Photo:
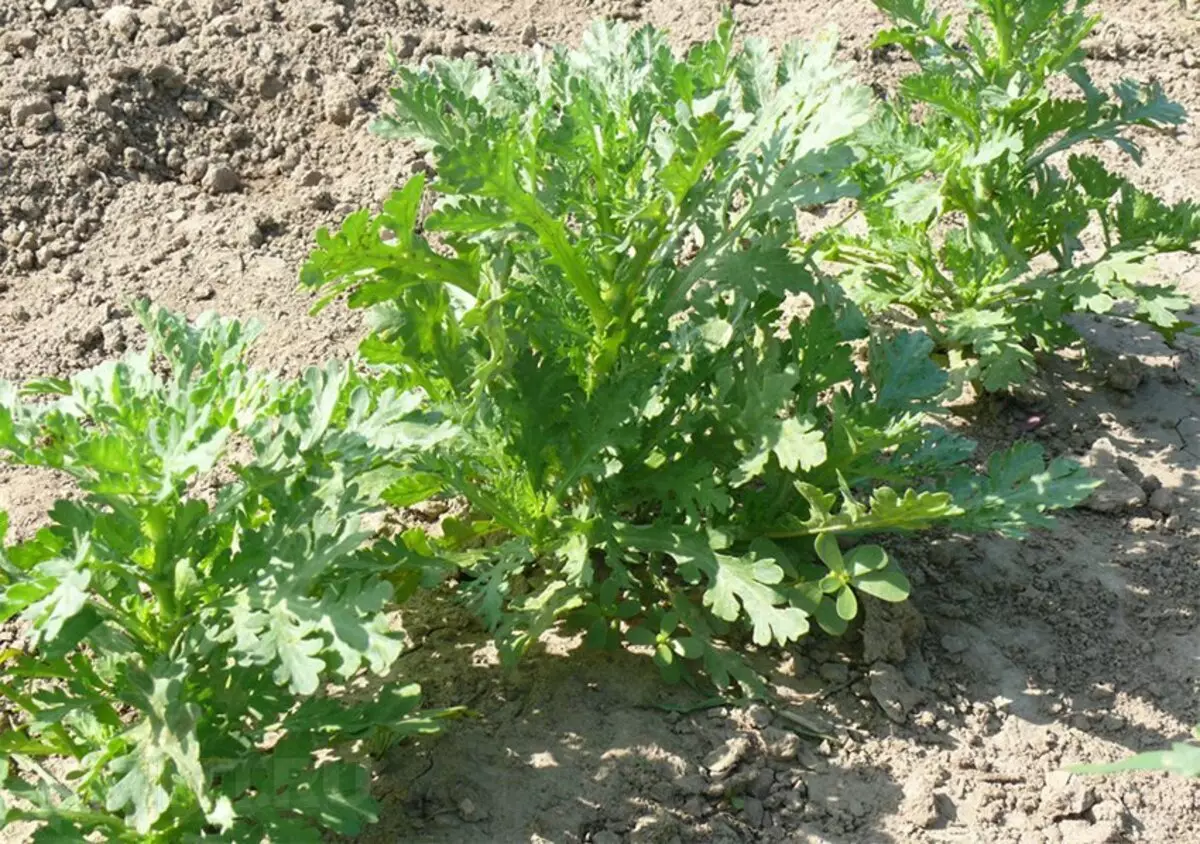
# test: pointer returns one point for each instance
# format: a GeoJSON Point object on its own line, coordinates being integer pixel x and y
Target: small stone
{"type": "Point", "coordinates": [954, 644]}
{"type": "Point", "coordinates": [658, 828]}
{"type": "Point", "coordinates": [166, 76]}
{"type": "Point", "coordinates": [62, 77]}
{"type": "Point", "coordinates": [781, 745]}
{"type": "Point", "coordinates": [530, 36]}
{"type": "Point", "coordinates": [1116, 491]}
{"type": "Point", "coordinates": [328, 16]}
{"type": "Point", "coordinates": [920, 802]}
{"type": "Point", "coordinates": [431, 45]}
{"type": "Point", "coordinates": [468, 811]}
{"type": "Point", "coordinates": [726, 757]}
{"type": "Point", "coordinates": [21, 314]}
{"type": "Point", "coordinates": [253, 233]}
{"type": "Point", "coordinates": [632, 11]}
{"type": "Point", "coordinates": [752, 808]}
{"type": "Point", "coordinates": [892, 692]}
{"type": "Point", "coordinates": [100, 100]}
{"type": "Point", "coordinates": [1066, 794]}
{"type": "Point", "coordinates": [1162, 500]}
{"type": "Point", "coordinates": [122, 20]}
{"type": "Point", "coordinates": [408, 45]}
{"type": "Point", "coordinates": [115, 339]}
{"type": "Point", "coordinates": [1113, 723]}
{"type": "Point", "coordinates": [1124, 374]}
{"type": "Point", "coordinates": [916, 670]}
{"type": "Point", "coordinates": [203, 292]}
{"type": "Point", "coordinates": [91, 340]}
{"type": "Point", "coordinates": [323, 201]}
{"type": "Point", "coordinates": [122, 72]}
{"type": "Point", "coordinates": [154, 17]}
{"type": "Point", "coordinates": [340, 100]}
{"type": "Point", "coordinates": [134, 159]}
{"type": "Point", "coordinates": [194, 107]}
{"type": "Point", "coordinates": [759, 715]}
{"type": "Point", "coordinates": [28, 108]}
{"type": "Point", "coordinates": [194, 170]}
{"type": "Point", "coordinates": [1110, 810]}
{"type": "Point", "coordinates": [311, 178]}
{"type": "Point", "coordinates": [40, 123]}
{"type": "Point", "coordinates": [763, 782]}
{"type": "Point", "coordinates": [890, 631]}
{"type": "Point", "coordinates": [220, 178]}
{"type": "Point", "coordinates": [20, 39]}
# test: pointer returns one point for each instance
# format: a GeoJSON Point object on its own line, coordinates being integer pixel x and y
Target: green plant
{"type": "Point", "coordinates": [668, 418]}
{"type": "Point", "coordinates": [1183, 758]}
{"type": "Point", "coordinates": [185, 611]}
{"type": "Point", "coordinates": [988, 216]}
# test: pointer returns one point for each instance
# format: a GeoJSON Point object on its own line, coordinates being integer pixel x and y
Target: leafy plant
{"type": "Point", "coordinates": [1183, 758]}
{"type": "Point", "coordinates": [982, 188]}
{"type": "Point", "coordinates": [185, 611]}
{"type": "Point", "coordinates": [669, 418]}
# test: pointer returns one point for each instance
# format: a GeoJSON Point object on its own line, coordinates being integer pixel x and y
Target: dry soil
{"type": "Point", "coordinates": [187, 149]}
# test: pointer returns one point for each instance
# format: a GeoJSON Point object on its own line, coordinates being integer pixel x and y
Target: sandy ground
{"type": "Point", "coordinates": [187, 149]}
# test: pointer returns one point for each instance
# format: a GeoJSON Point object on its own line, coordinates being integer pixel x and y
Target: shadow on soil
{"type": "Point", "coordinates": [578, 744]}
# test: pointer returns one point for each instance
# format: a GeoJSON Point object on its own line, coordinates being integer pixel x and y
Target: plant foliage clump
{"type": "Point", "coordinates": [673, 426]}
{"type": "Point", "coordinates": [185, 612]}
{"type": "Point", "coordinates": [983, 188]}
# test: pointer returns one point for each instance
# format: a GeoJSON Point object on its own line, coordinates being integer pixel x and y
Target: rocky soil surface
{"type": "Point", "coordinates": [187, 149]}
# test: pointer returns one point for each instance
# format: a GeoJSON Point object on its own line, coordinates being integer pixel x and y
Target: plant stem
{"type": "Point", "coordinates": [1003, 25]}
{"type": "Point", "coordinates": [83, 818]}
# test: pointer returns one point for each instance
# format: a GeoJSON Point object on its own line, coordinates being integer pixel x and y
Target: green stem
{"type": "Point", "coordinates": [863, 201]}
{"type": "Point", "coordinates": [1003, 34]}
{"type": "Point", "coordinates": [127, 622]}
{"type": "Point", "coordinates": [58, 730]}
{"type": "Point", "coordinates": [554, 238]}
{"type": "Point", "coordinates": [1098, 132]}
{"type": "Point", "coordinates": [82, 818]}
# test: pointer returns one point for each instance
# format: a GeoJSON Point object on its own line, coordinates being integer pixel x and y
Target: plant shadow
{"type": "Point", "coordinates": [579, 745]}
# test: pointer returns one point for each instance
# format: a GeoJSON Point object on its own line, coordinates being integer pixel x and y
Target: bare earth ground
{"type": "Point", "coordinates": [186, 150]}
